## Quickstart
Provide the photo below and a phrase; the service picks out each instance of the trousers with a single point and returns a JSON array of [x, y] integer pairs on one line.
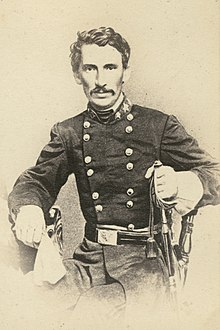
[[108, 284], [111, 283]]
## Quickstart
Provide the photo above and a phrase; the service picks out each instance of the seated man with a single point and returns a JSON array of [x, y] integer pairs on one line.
[[114, 148]]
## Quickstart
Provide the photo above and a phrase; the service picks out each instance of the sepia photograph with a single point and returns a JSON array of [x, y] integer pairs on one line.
[[109, 172]]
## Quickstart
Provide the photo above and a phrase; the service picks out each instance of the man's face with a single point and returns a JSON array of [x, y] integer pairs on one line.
[[102, 74]]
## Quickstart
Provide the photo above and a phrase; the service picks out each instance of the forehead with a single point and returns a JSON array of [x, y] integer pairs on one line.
[[94, 54]]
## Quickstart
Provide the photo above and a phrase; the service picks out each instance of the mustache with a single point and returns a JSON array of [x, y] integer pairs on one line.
[[99, 89]]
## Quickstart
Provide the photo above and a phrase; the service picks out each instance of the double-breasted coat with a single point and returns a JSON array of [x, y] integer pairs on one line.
[[109, 161]]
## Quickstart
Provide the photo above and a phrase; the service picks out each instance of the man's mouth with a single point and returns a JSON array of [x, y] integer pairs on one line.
[[101, 93]]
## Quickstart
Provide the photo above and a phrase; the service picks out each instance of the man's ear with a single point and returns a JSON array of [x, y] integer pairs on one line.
[[126, 75], [77, 78]]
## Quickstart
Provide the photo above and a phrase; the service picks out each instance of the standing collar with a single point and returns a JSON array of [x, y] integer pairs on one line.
[[116, 112]]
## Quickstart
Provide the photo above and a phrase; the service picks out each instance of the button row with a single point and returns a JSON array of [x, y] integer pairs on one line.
[[128, 129], [99, 207], [90, 171], [130, 117], [95, 194], [128, 152]]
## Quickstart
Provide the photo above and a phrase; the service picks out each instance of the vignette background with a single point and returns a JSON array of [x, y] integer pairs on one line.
[[175, 68]]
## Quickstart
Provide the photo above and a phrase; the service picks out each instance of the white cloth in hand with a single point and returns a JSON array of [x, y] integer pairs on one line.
[[48, 265]]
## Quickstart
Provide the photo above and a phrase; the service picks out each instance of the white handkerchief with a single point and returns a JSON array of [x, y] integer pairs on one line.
[[48, 265]]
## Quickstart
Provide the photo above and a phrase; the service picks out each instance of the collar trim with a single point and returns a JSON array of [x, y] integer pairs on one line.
[[124, 108]]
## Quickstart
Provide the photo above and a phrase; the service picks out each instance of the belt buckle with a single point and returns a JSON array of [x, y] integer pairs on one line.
[[107, 237]]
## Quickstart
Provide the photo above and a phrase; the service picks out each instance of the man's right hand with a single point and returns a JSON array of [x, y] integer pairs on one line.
[[30, 225]]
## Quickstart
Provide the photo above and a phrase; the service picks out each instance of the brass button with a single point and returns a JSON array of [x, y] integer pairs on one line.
[[95, 195], [131, 226], [130, 191], [86, 124], [98, 208], [129, 204], [128, 152], [90, 172], [88, 159], [130, 166], [128, 129], [130, 117], [86, 137]]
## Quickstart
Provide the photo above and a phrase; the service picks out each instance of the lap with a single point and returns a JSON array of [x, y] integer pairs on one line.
[[99, 282], [93, 268]]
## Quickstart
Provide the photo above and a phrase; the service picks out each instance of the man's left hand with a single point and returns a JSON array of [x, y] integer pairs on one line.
[[166, 181]]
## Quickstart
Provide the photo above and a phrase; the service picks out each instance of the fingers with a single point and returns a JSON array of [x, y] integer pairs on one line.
[[166, 182], [30, 225], [37, 235], [149, 172], [30, 236], [29, 239], [157, 164]]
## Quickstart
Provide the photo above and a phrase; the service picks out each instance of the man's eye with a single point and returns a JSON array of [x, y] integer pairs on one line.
[[89, 68], [111, 67]]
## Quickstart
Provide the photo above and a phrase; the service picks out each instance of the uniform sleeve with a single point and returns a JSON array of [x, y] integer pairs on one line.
[[182, 152], [40, 184]]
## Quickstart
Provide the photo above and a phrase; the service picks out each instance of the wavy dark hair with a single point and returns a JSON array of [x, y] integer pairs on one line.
[[102, 36]]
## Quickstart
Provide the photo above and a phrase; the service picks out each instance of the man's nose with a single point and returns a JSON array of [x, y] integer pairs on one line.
[[100, 78]]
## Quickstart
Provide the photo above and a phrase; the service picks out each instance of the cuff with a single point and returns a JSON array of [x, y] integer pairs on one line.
[[190, 191]]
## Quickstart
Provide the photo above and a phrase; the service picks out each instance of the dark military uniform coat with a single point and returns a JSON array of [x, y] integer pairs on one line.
[[109, 161]]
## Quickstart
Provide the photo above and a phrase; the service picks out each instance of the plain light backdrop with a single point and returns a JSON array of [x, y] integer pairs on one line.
[[175, 68], [175, 61]]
